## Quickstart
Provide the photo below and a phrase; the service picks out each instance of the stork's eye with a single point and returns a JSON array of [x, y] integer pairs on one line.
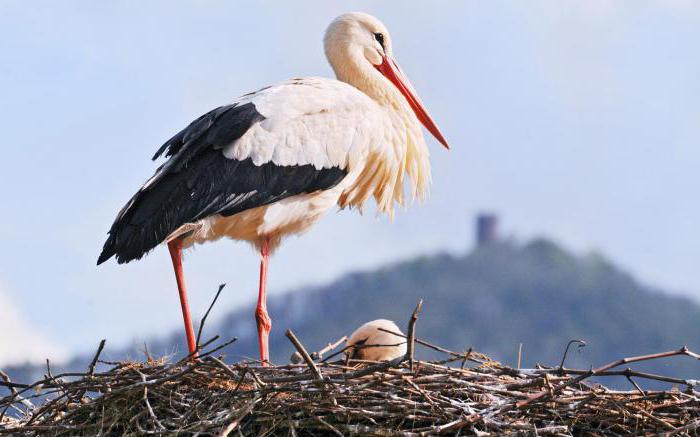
[[380, 39]]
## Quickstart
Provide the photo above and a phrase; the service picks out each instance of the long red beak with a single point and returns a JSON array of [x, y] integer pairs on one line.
[[391, 70]]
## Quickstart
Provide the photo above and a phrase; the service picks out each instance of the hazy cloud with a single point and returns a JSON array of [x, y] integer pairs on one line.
[[19, 341]]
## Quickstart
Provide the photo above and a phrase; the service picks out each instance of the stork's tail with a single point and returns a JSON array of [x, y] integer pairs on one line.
[[139, 227]]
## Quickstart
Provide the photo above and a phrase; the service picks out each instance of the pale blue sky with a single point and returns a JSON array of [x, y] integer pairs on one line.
[[579, 120]]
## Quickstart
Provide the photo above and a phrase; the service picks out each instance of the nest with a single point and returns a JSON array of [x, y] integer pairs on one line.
[[466, 393]]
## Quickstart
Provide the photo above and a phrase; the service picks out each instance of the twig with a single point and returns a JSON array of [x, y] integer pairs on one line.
[[375, 368], [223, 366], [93, 363], [411, 334], [148, 404], [581, 343], [48, 370], [626, 373], [304, 354], [15, 394], [692, 426], [237, 421], [427, 344], [520, 355], [296, 357], [329, 347], [204, 319], [336, 353], [634, 384], [149, 358], [593, 372]]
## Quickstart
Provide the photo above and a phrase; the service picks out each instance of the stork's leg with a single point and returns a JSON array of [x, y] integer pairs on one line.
[[261, 316], [175, 248]]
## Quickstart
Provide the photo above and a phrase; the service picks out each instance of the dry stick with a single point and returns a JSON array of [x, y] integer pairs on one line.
[[692, 426], [335, 354], [93, 363], [216, 349], [204, 319], [466, 357], [581, 343], [15, 394], [649, 416], [206, 343], [48, 370], [57, 383], [411, 338], [418, 389], [309, 362], [296, 357], [429, 345], [593, 372], [46, 382], [305, 355], [240, 380], [11, 385], [49, 376], [639, 389], [256, 378], [628, 373], [329, 347], [148, 404], [374, 368], [223, 366], [149, 358], [331, 427], [237, 421], [91, 370]]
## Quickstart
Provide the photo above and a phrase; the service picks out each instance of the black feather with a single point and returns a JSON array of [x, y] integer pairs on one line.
[[198, 181]]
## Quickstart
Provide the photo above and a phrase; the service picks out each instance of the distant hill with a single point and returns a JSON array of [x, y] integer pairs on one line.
[[491, 299]]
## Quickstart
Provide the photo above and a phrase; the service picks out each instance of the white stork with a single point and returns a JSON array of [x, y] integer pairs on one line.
[[272, 162]]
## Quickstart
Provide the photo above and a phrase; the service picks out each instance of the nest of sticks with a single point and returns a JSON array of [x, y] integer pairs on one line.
[[466, 393]]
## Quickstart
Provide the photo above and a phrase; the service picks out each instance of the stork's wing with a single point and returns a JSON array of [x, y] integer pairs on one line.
[[251, 153]]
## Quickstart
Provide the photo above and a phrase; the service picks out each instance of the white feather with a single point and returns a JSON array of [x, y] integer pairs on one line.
[[312, 121]]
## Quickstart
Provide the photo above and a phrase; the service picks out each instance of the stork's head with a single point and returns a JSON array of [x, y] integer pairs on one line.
[[359, 49]]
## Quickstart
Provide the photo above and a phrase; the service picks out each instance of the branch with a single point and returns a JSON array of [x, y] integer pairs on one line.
[[546, 394], [204, 319], [411, 345], [581, 344], [93, 363], [305, 355]]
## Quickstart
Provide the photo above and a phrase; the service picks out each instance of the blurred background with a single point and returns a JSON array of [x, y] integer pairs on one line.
[[574, 124]]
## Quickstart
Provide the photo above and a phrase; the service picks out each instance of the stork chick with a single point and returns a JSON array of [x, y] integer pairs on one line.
[[370, 343]]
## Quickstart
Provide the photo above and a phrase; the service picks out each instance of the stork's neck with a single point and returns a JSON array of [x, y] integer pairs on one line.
[[409, 152], [363, 76]]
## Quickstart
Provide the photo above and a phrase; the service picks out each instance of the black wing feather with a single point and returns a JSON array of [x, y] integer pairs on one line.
[[198, 181]]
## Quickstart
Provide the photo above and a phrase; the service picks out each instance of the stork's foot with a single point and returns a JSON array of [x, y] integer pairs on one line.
[[264, 327]]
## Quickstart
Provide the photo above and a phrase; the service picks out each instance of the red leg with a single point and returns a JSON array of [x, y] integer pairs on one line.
[[261, 316], [175, 248]]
